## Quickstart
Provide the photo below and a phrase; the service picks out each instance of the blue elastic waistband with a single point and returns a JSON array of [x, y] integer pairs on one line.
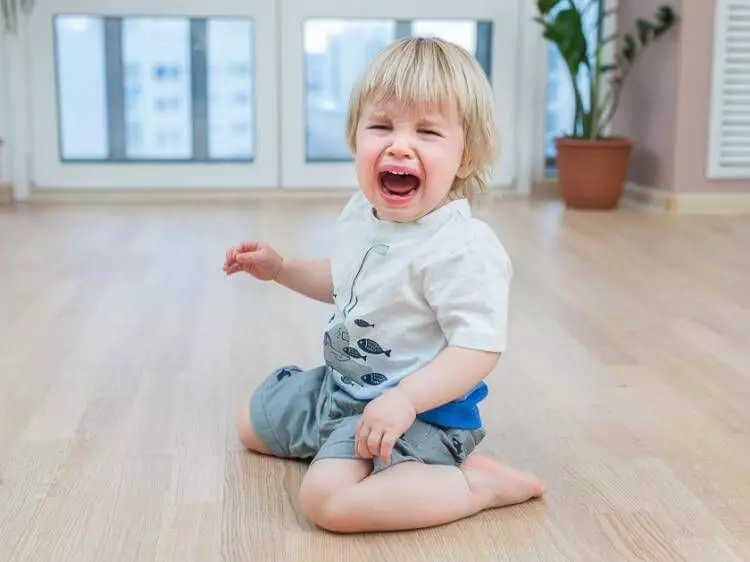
[[459, 414]]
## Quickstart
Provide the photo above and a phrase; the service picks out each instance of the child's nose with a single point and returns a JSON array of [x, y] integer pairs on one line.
[[400, 147]]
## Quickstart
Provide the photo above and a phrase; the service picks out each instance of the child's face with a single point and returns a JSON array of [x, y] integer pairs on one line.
[[408, 157]]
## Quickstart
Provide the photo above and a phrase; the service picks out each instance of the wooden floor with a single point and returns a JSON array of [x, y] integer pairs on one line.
[[124, 352]]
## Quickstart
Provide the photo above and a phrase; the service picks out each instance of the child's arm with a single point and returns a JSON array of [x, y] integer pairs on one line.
[[453, 373], [468, 290], [311, 278]]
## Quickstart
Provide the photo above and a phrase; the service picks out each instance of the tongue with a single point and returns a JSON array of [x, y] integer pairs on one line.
[[400, 184]]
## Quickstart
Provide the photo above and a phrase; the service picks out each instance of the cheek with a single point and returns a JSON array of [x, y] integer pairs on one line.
[[367, 154], [445, 160]]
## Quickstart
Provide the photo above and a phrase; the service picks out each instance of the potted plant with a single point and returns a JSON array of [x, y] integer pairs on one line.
[[592, 167]]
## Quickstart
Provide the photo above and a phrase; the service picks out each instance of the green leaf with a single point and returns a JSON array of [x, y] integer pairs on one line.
[[628, 50], [644, 31], [666, 18], [570, 40], [546, 6]]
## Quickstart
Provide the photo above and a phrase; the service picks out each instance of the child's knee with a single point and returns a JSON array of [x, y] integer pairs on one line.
[[314, 497], [323, 494], [326, 510]]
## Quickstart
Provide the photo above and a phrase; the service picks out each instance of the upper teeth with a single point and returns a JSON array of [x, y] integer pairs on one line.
[[401, 173]]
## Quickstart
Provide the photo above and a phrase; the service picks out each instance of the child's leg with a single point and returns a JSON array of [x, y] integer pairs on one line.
[[338, 495], [281, 417], [246, 433]]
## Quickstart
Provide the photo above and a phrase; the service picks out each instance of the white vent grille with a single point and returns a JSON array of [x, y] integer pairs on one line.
[[729, 135]]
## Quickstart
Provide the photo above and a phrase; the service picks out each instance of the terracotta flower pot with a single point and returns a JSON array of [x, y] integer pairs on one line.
[[591, 173]]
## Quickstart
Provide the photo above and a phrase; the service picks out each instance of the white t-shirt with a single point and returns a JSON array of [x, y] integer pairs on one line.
[[406, 291]]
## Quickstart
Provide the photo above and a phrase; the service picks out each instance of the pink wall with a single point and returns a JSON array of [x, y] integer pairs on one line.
[[648, 109], [694, 101], [665, 106]]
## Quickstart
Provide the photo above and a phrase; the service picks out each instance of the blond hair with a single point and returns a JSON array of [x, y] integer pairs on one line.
[[420, 70]]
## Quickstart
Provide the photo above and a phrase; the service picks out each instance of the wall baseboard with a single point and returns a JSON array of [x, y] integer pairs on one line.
[[677, 203], [634, 196], [648, 198], [545, 189], [6, 193], [59, 196], [182, 196]]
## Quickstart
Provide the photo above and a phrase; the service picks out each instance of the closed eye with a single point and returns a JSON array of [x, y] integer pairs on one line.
[[431, 132], [380, 127]]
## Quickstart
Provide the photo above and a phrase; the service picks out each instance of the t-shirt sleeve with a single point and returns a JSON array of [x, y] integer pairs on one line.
[[468, 289]]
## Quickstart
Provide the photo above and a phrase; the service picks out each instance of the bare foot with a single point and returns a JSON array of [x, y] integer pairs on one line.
[[498, 485]]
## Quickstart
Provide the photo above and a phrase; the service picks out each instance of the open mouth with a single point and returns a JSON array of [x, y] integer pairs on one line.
[[399, 185]]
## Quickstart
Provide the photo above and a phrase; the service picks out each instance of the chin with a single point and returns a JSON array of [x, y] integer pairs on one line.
[[401, 215]]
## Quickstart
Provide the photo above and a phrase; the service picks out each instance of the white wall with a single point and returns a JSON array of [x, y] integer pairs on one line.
[[15, 110], [4, 172]]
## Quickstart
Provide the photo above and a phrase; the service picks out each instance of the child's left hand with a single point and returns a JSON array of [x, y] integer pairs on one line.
[[383, 422]]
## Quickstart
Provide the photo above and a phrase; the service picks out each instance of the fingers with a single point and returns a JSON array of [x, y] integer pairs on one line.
[[246, 247], [229, 260], [245, 257], [360, 443], [232, 269], [373, 442], [232, 252], [386, 447]]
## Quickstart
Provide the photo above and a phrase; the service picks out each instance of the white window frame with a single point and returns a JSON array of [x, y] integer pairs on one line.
[[716, 169], [280, 159], [48, 172], [296, 172]]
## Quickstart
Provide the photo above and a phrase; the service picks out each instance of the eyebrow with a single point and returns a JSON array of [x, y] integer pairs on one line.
[[432, 121], [428, 121], [379, 115]]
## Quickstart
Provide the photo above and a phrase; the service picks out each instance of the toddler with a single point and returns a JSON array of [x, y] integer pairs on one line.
[[420, 289]]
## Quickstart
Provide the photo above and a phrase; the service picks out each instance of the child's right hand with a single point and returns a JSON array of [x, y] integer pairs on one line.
[[256, 258]]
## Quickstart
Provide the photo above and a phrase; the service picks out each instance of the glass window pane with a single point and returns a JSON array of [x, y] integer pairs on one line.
[[81, 87], [560, 94], [560, 101], [461, 32], [336, 53], [230, 89], [156, 66]]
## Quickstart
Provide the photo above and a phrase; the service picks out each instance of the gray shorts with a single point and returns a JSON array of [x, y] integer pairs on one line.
[[304, 415]]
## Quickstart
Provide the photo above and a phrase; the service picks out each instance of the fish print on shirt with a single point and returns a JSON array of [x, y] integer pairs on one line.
[[342, 333], [352, 352], [341, 355], [372, 347], [374, 379]]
